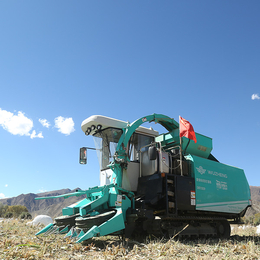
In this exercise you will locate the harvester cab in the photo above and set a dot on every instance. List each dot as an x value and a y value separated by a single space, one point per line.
153 183
107 136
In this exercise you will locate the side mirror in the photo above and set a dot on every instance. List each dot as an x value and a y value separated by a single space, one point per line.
83 155
152 153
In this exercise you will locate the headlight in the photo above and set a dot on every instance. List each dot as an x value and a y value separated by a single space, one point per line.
88 131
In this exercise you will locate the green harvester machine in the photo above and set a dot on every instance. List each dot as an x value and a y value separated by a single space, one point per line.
151 183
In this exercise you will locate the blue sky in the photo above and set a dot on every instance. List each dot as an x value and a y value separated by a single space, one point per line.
63 61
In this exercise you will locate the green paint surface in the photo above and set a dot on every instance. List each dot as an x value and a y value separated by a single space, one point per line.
219 187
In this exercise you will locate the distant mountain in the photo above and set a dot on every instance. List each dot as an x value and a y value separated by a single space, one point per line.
255 196
53 207
50 207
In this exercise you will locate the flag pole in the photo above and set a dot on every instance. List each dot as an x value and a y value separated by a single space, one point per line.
181 156
180 152
185 129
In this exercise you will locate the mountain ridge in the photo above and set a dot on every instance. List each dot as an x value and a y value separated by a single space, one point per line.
51 207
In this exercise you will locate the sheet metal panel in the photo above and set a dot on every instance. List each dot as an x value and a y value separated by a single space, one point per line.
219 187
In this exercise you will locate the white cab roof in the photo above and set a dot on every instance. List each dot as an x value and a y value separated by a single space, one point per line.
111 122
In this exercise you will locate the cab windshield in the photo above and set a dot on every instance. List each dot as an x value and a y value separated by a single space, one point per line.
106 143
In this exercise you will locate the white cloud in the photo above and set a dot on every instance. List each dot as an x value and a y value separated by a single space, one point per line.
255 96
6 185
2 195
17 124
34 135
42 190
44 122
64 125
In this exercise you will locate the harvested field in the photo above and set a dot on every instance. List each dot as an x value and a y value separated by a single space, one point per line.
17 241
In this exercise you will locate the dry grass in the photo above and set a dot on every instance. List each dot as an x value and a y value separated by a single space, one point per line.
17 241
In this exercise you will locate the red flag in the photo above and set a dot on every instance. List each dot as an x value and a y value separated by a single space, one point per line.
186 129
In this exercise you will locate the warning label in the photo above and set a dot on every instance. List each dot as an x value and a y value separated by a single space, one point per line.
192 198
119 201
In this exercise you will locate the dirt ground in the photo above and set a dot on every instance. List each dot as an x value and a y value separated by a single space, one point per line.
17 241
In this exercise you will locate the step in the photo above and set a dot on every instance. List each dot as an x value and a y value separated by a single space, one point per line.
170 181
171 204
170 193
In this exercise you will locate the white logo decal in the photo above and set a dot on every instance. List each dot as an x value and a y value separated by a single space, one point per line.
201 170
221 185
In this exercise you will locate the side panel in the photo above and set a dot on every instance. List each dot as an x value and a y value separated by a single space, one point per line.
164 165
130 176
151 187
148 167
185 193
105 177
219 187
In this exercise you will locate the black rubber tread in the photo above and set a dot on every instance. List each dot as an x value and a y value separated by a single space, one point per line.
88 222
224 229
64 217
66 220
222 226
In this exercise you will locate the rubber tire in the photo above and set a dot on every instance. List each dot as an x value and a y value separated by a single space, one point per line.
90 221
224 229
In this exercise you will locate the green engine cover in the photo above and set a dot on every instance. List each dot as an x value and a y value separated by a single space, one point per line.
202 148
219 187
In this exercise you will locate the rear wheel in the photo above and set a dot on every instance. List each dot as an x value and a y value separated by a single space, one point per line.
224 229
